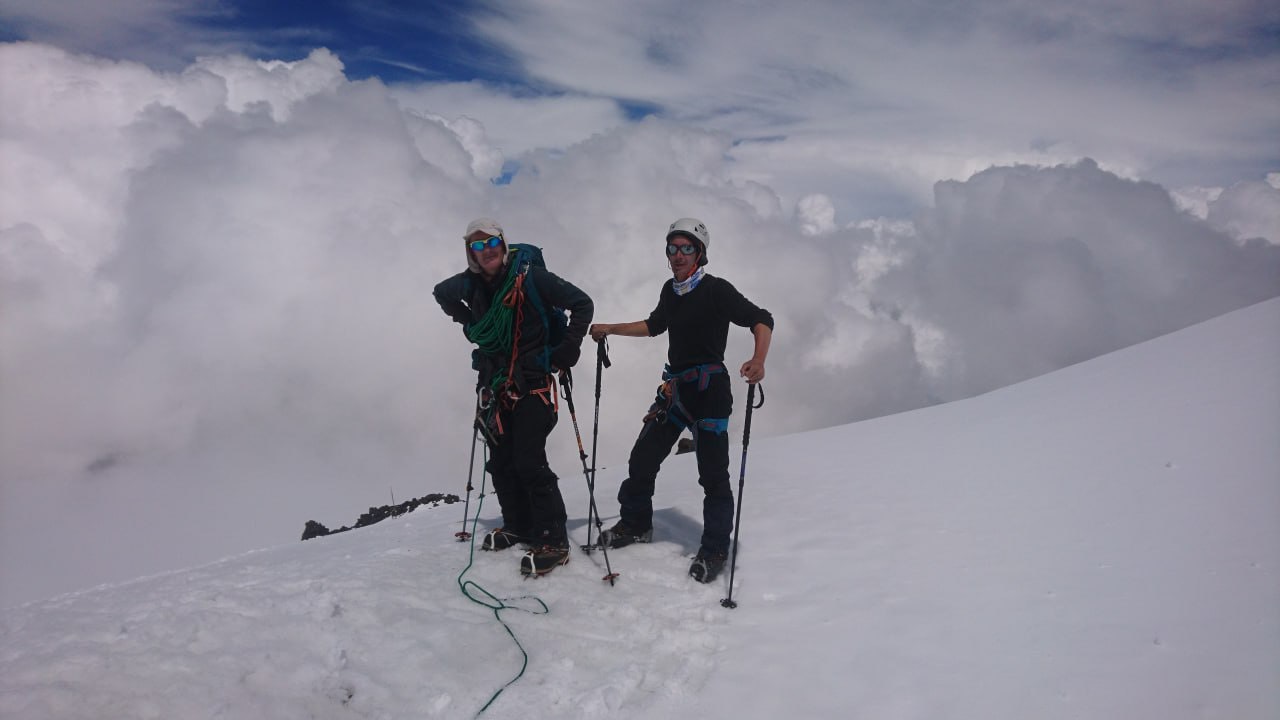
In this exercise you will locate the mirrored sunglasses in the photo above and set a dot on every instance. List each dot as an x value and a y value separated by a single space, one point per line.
478 245
689 249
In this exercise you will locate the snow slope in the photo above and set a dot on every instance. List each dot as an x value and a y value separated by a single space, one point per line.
1101 542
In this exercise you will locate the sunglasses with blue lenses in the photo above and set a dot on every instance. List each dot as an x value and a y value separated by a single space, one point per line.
672 249
478 245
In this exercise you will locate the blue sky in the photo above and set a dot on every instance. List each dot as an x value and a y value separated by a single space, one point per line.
393 41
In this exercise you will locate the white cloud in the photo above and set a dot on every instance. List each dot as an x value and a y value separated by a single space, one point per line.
895 97
869 103
276 83
219 280
1063 264
816 214
1248 209
1195 200
513 124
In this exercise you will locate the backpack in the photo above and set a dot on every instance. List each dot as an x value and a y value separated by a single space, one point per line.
554 319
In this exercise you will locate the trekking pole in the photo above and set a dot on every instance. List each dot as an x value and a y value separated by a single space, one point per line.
742 479
602 361
462 534
475 432
566 382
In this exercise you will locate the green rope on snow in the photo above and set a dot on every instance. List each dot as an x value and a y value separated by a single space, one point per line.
493 602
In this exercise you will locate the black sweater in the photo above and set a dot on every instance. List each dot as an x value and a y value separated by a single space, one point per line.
699 320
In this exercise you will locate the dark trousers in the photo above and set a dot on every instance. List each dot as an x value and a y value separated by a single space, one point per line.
528 491
712 449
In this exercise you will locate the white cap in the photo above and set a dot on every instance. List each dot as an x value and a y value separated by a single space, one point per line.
485 225
488 226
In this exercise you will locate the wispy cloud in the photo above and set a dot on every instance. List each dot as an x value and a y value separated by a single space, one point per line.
166 34
1149 90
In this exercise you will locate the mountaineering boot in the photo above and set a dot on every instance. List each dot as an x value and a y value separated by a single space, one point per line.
500 539
707 565
622 535
542 559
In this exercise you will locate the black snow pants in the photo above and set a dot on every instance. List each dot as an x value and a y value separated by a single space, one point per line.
528 491
700 399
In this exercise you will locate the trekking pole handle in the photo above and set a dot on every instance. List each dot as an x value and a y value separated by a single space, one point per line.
566 385
751 405
602 352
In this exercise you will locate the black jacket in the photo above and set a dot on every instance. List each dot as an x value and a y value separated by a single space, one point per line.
466 297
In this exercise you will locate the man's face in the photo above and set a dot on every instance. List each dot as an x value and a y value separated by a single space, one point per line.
684 257
490 257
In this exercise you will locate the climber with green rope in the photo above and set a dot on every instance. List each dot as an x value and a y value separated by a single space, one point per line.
513 309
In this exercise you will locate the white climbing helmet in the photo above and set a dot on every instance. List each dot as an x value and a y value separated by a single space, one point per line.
695 230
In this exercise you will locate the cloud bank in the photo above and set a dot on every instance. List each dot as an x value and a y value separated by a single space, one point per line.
216 283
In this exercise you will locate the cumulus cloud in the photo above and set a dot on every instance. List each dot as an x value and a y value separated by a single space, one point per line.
1055 265
216 286
192 292
1249 209
816 214
514 123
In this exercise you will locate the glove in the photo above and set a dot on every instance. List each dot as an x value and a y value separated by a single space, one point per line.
565 356
484 367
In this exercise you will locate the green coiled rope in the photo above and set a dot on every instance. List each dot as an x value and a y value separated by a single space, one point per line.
492 332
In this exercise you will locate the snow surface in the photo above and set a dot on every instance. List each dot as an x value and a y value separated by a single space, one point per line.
1100 542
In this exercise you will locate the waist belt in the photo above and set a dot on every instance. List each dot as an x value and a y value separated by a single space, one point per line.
701 373
667 407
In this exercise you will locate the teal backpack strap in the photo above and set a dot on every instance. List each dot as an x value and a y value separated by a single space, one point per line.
531 291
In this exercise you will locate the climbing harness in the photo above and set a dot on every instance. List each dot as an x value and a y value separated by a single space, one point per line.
506 399
667 407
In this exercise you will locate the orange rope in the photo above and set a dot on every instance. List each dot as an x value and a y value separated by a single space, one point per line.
515 301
